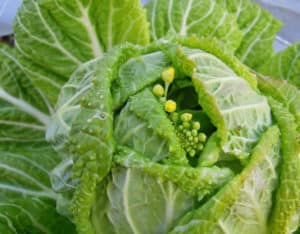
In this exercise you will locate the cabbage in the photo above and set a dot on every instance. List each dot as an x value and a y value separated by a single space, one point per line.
119 118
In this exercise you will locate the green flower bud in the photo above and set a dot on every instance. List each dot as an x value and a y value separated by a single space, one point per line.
196 125
194 133
192 153
186 125
202 137
168 75
200 147
186 117
175 117
158 90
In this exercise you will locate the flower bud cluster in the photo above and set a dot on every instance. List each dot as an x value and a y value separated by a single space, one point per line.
188 131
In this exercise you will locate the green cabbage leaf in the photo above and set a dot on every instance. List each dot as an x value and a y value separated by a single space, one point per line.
284 65
244 204
54 37
120 139
243 26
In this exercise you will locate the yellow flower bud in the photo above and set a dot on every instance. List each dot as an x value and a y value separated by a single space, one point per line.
168 75
158 90
170 106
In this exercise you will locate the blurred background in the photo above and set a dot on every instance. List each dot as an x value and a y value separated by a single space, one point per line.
288 11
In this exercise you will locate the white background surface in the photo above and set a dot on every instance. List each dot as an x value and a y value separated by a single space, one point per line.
8 9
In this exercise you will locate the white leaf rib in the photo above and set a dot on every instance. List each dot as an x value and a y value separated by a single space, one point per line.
28 160
57 43
170 203
153 16
78 94
23 125
9 223
34 73
183 28
170 8
222 80
220 23
28 192
129 27
13 77
24 106
11 139
257 39
20 66
131 132
250 26
295 59
85 20
26 212
110 26
125 202
242 108
209 12
24 175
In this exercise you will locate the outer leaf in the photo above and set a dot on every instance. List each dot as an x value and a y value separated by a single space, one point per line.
285 217
25 171
243 205
283 92
23 108
92 136
259 29
284 65
83 128
198 182
80 90
204 18
239 113
32 216
26 199
135 202
56 36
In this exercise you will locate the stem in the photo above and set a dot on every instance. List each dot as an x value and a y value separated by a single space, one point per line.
25 107
167 85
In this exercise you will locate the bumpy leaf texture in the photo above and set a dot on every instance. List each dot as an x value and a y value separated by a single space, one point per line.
285 217
96 115
244 204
